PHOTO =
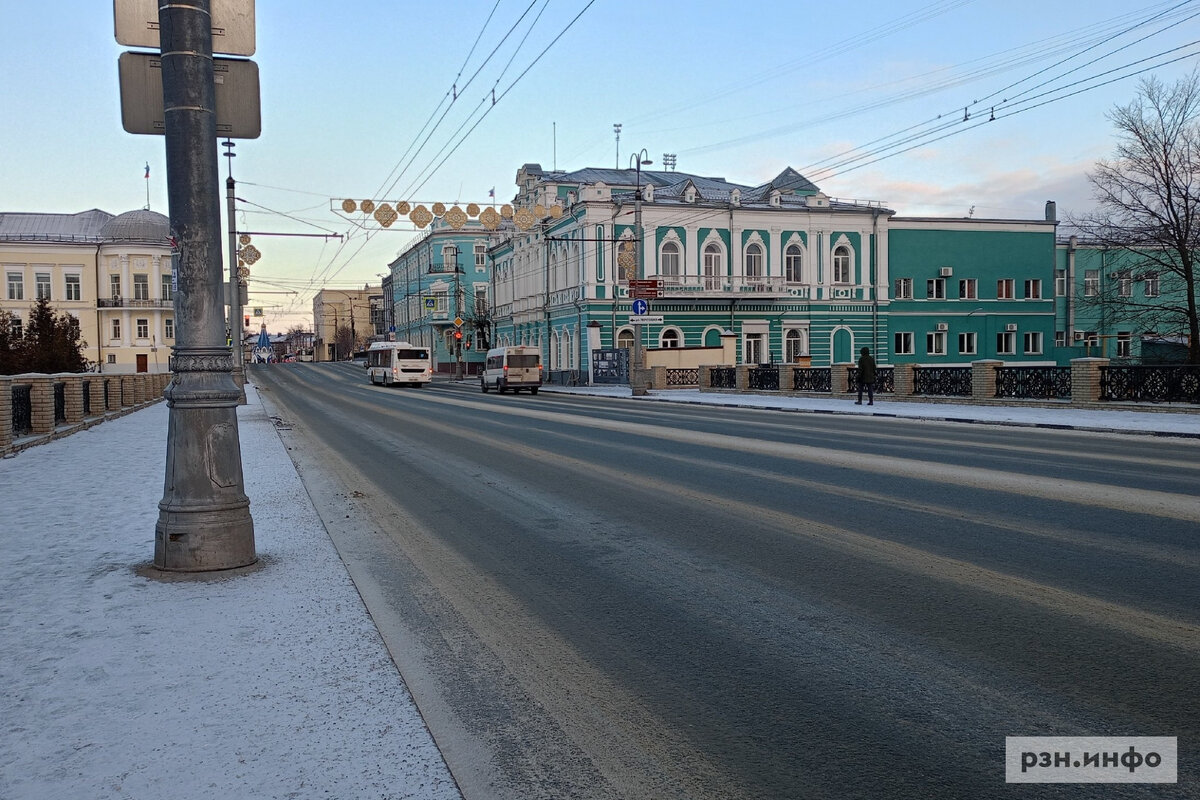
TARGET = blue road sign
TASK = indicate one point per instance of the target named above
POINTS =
(640, 307)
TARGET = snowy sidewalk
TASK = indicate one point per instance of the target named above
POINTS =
(270, 684)
(1168, 421)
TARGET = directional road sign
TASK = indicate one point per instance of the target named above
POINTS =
(644, 319)
(640, 307)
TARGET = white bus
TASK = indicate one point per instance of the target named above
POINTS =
(399, 362)
(515, 367)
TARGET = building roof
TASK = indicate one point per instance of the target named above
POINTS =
(84, 227)
(142, 225)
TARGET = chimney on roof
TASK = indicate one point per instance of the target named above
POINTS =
(1051, 211)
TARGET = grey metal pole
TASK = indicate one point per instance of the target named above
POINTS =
(235, 296)
(204, 518)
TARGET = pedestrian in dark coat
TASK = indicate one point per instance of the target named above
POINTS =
(866, 377)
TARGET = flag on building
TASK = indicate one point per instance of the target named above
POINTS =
(491, 192)
(147, 170)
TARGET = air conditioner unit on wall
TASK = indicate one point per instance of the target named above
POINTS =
(946, 272)
(1010, 327)
(1077, 336)
(942, 326)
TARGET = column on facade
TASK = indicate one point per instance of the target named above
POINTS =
(692, 255)
(41, 397)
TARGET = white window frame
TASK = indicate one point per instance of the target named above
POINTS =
(141, 286)
(74, 287)
(42, 283)
(1124, 284)
(142, 327)
(1151, 285)
(115, 329)
(968, 343)
(16, 286)
(903, 343)
(114, 287)
(1124, 344)
(795, 344)
(670, 260)
(935, 343)
(1033, 289)
(670, 337)
(1006, 289)
(169, 328)
(165, 292)
(1006, 343)
(842, 263)
(903, 288)
(968, 289)
(754, 262)
(713, 265)
(1060, 283)
(935, 289)
(793, 261)
(1032, 343)
(1091, 282)
(481, 258)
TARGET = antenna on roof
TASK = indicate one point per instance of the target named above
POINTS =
(617, 131)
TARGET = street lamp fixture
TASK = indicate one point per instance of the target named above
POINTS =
(637, 161)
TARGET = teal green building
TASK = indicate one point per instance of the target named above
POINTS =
(795, 275)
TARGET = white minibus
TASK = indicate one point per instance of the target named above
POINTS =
(514, 367)
(399, 362)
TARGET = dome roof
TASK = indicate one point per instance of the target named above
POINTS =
(142, 225)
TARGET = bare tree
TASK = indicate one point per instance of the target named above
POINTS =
(1148, 197)
(343, 339)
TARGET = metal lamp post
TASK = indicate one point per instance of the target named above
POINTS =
(638, 160)
(204, 518)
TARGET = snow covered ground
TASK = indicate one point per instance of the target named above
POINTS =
(269, 684)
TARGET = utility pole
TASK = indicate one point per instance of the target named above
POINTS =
(235, 283)
(204, 517)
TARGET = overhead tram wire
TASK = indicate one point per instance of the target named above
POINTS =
(829, 51)
(1026, 53)
(500, 97)
(385, 189)
(415, 187)
(852, 164)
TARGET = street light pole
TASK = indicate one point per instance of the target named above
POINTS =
(204, 521)
(636, 383)
(457, 315)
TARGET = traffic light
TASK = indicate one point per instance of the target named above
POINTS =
(467, 344)
(458, 334)
(247, 320)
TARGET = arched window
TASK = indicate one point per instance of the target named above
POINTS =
(841, 265)
(625, 339)
(754, 263)
(669, 338)
(793, 262)
(795, 345)
(712, 266)
(670, 262)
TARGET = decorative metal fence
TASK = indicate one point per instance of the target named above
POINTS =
(944, 381)
(722, 377)
(1158, 384)
(22, 410)
(1035, 383)
(763, 378)
(683, 377)
(885, 379)
(812, 379)
(60, 403)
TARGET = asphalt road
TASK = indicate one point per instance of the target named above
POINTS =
(605, 598)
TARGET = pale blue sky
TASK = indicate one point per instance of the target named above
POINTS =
(735, 90)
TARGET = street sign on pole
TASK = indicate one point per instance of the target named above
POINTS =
(645, 319)
(640, 307)
(232, 25)
(236, 92)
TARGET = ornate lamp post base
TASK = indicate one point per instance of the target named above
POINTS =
(204, 518)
